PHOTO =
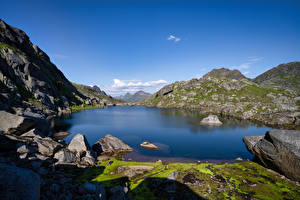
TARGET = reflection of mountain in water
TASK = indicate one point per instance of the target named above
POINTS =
(193, 118)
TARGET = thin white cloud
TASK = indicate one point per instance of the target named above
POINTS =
(123, 86)
(246, 65)
(173, 38)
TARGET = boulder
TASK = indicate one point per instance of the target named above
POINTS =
(148, 145)
(14, 124)
(18, 183)
(65, 156)
(278, 150)
(33, 133)
(212, 120)
(60, 135)
(47, 146)
(79, 144)
(111, 145)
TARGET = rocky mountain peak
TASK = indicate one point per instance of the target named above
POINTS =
(284, 76)
(225, 73)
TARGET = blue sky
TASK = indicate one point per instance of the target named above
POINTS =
(130, 45)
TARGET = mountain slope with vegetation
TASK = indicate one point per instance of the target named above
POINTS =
(136, 97)
(284, 76)
(234, 96)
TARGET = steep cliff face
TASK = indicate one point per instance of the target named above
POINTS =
(284, 76)
(232, 95)
(28, 75)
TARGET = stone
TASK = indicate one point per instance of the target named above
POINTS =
(173, 176)
(117, 193)
(212, 120)
(95, 189)
(148, 145)
(33, 133)
(60, 135)
(278, 150)
(47, 146)
(14, 124)
(79, 144)
(65, 156)
(111, 145)
(18, 183)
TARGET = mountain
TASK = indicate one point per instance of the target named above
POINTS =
(29, 81)
(95, 95)
(284, 76)
(225, 73)
(136, 97)
(229, 93)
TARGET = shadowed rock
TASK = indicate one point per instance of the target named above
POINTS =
(18, 183)
(111, 145)
(278, 150)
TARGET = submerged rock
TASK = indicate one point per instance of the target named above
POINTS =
(60, 135)
(212, 120)
(148, 145)
(278, 150)
(111, 145)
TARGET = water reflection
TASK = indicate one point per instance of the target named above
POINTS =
(177, 132)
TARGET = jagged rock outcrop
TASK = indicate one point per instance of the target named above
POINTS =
(284, 76)
(111, 145)
(27, 74)
(278, 150)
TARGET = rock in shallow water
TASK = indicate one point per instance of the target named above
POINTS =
(212, 120)
(278, 150)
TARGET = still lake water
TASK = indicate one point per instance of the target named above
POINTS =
(176, 132)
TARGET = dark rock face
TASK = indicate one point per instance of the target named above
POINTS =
(284, 76)
(111, 145)
(26, 73)
(278, 150)
(18, 183)
(225, 73)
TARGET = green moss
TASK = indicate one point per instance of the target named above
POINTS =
(243, 179)
(77, 108)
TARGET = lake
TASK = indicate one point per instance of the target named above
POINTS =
(176, 132)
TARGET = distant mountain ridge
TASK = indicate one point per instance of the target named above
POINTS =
(136, 97)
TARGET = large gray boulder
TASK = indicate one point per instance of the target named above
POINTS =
(14, 124)
(65, 156)
(18, 183)
(278, 150)
(111, 145)
(47, 146)
(79, 144)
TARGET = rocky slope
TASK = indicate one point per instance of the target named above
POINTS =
(227, 92)
(28, 78)
(136, 97)
(31, 84)
(284, 76)
(95, 95)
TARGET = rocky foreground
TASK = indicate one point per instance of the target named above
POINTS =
(35, 165)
